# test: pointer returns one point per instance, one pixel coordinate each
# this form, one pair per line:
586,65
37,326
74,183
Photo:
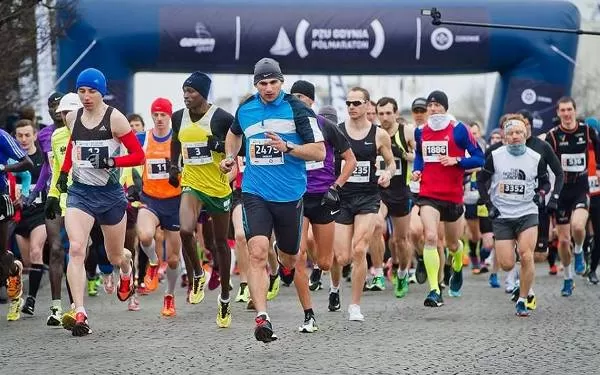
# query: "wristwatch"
458,159
289,147
110,162
2,167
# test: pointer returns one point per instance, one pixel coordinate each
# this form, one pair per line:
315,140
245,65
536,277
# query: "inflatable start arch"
329,37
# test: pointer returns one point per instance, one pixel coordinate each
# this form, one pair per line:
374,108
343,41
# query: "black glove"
61,184
133,193
174,176
492,210
98,162
552,204
540,199
215,144
331,199
52,208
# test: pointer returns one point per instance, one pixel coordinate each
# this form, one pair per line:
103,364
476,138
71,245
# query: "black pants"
595,217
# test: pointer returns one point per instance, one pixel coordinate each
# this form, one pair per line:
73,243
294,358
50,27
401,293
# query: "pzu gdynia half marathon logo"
202,43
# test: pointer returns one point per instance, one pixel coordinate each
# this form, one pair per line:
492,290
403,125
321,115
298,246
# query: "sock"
432,266
522,299
472,248
578,248
35,278
259,313
309,312
315,266
56,304
401,273
334,289
150,252
223,300
457,258
395,267
531,293
484,254
569,272
379,272
243,287
172,276
80,309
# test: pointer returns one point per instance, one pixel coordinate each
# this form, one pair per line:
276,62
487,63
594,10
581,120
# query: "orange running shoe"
151,278
168,309
14,284
125,289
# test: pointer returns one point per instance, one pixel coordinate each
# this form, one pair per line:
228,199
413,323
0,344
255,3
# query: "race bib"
414,186
85,150
263,154
594,184
312,165
433,150
380,163
196,153
362,172
512,189
573,162
471,197
241,163
157,169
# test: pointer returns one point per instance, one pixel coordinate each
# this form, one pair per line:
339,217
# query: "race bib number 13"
85,150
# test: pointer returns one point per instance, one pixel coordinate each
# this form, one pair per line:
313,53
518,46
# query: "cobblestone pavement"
477,333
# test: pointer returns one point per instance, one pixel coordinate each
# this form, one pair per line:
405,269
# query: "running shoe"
214,280
309,325
447,274
433,299
314,282
142,290
401,287
493,280
29,306
81,327
55,317
592,278
243,294
475,268
347,272
14,284
465,259
168,309
98,281
514,296
412,279
334,301
521,309
531,302
421,272
567,289
68,320
553,270
286,274
184,281
483,268
14,309
197,291
223,313
354,313
579,263
274,284
378,284
264,329
151,278
250,305
109,283
125,288
134,303
92,288
456,282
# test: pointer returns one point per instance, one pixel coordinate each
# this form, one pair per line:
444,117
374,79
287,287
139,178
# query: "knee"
145,236
77,250
431,237
579,230
342,259
186,232
173,262
359,253
325,263
564,241
526,257
506,264
258,255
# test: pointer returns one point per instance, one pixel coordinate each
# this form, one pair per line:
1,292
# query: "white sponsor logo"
203,42
529,96
443,38
283,46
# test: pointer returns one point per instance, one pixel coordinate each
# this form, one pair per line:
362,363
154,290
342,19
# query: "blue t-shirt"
270,174
9,149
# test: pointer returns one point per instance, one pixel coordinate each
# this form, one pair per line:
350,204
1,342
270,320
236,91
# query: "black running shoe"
81,327
315,280
421,272
334,301
592,278
286,274
447,274
29,306
264,330
346,272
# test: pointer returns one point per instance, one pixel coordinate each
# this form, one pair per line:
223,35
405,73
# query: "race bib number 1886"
432,150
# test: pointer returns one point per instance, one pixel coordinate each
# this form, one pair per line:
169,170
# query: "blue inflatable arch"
328,37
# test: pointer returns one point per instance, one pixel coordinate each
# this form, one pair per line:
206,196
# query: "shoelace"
13,282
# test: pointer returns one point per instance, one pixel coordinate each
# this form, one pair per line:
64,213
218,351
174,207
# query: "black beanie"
305,88
438,97
267,68
200,82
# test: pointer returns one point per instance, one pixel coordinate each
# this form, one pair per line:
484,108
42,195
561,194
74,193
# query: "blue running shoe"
434,299
579,263
493,280
567,289
456,281
521,309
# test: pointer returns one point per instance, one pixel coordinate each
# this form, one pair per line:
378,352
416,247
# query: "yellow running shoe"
68,319
531,302
274,284
14,309
243,294
223,313
197,292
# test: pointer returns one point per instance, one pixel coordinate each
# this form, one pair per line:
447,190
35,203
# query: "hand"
448,161
384,179
552,204
540,199
133,193
61,184
98,162
174,176
416,176
227,164
331,199
52,208
492,211
276,141
30,199
215,144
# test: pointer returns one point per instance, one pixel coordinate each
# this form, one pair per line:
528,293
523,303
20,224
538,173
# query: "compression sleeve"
418,162
484,178
25,178
464,139
135,154
68,162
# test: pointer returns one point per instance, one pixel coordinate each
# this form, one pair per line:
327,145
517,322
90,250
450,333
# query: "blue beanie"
92,78
200,82
593,123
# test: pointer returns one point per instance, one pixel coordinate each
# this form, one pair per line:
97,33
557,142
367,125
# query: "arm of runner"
340,144
122,130
43,178
233,143
53,192
484,178
175,143
308,129
409,135
464,139
543,178
554,164
418,163
384,148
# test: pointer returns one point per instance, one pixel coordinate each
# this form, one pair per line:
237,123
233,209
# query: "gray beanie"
329,112
267,68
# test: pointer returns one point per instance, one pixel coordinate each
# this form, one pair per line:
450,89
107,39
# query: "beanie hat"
162,105
438,97
267,68
305,88
55,98
92,78
200,82
527,115
329,112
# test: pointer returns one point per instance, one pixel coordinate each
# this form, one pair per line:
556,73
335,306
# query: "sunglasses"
355,103
419,110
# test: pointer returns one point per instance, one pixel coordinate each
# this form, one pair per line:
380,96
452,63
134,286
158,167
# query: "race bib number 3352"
512,189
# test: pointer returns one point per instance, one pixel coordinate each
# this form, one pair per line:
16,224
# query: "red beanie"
162,105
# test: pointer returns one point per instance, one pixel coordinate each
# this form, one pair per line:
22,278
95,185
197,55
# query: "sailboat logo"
283,46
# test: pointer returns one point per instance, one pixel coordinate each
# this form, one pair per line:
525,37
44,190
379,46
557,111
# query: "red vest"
437,181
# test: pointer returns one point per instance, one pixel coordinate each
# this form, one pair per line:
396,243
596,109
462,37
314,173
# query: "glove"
52,208
540,199
552,204
215,144
331,199
133,193
61,184
492,210
98,162
174,176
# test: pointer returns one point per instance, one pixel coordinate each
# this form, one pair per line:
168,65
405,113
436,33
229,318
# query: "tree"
472,105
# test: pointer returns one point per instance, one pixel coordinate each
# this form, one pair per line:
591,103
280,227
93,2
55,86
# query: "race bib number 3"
573,162
86,150
433,150
380,163
196,153
362,172
512,189
263,154
157,169
594,184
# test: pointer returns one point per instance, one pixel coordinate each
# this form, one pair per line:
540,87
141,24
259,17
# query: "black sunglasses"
355,103
419,110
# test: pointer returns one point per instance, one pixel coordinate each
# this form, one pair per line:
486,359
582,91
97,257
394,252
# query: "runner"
97,132
280,133
160,203
594,206
439,165
360,199
198,138
321,201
